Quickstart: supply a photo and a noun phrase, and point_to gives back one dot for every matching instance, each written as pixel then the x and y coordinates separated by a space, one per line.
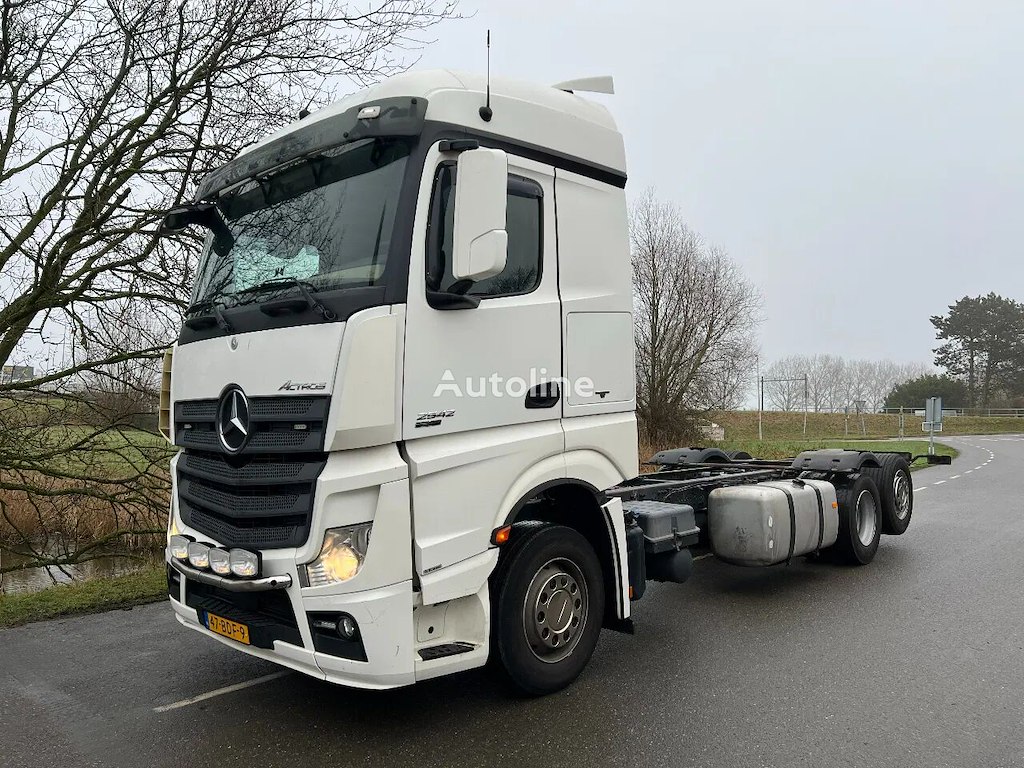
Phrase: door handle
pixel 543 395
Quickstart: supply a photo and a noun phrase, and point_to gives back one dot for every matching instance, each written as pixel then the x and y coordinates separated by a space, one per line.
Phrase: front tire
pixel 859 521
pixel 547 611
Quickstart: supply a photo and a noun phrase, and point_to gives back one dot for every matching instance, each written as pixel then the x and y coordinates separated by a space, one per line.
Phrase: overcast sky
pixel 863 161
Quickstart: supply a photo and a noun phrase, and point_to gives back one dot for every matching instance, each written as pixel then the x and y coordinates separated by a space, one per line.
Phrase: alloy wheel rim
pixel 901 494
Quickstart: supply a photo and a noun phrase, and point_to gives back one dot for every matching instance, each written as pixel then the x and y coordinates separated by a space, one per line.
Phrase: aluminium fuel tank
pixel 772 522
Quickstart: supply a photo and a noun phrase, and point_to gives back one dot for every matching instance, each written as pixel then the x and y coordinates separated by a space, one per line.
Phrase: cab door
pixel 481 400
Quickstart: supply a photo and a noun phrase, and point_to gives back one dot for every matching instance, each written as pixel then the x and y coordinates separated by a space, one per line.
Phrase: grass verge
pixel 781 449
pixel 144 586
pixel 742 425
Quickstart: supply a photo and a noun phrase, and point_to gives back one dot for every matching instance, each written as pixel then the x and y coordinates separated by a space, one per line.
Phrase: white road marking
pixel 938 482
pixel 221 691
pixel 922 488
pixel 954 477
pixel 968 471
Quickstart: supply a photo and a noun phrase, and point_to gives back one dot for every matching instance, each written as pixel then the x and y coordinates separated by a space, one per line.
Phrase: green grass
pixel 112 453
pixel 143 586
pixel 742 425
pixel 781 449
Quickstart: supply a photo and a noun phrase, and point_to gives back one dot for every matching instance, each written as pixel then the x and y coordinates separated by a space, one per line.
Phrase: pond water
pixel 33 579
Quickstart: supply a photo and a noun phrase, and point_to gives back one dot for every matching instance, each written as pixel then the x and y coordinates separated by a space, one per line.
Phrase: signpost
pixel 932 420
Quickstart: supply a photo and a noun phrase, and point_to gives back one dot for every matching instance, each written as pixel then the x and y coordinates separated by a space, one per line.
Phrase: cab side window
pixel 523 222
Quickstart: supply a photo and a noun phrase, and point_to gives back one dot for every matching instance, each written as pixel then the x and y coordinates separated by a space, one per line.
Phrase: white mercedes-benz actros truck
pixel 403 395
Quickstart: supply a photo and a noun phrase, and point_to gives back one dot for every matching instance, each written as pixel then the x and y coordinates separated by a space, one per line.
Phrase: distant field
pixel 102 454
pixel 742 425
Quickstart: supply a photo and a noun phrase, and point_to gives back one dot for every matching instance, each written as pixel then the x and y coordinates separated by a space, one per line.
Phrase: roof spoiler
pixel 600 84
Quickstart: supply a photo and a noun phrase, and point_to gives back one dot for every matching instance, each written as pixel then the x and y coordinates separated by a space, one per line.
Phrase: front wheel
pixel 859 521
pixel 547 613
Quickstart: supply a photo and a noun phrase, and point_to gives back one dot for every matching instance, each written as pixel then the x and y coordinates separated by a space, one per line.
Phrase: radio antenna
pixel 486 113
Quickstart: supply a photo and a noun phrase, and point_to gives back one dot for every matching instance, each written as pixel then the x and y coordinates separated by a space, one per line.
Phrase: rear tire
pixel 860 521
pixel 896 490
pixel 547 608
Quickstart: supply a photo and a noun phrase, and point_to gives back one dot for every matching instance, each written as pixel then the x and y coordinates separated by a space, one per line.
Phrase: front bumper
pixel 355 487
pixel 384 616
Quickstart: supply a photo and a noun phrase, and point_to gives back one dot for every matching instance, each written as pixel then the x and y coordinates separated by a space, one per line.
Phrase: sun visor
pixel 399 116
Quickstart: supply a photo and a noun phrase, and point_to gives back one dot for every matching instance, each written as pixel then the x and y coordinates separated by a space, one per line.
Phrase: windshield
pixel 326 219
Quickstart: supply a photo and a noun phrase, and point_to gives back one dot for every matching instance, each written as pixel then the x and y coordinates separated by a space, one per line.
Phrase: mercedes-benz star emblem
pixel 233 420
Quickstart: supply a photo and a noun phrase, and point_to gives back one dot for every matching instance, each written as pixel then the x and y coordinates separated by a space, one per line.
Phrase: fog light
pixel 220 562
pixel 347 627
pixel 244 564
pixel 198 554
pixel 179 547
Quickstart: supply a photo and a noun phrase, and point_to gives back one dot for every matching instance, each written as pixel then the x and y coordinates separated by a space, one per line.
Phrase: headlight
pixel 178 545
pixel 172 527
pixel 341 556
pixel 220 562
pixel 244 564
pixel 199 554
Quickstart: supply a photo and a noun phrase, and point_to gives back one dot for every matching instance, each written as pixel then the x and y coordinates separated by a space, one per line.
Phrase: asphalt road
pixel 915 660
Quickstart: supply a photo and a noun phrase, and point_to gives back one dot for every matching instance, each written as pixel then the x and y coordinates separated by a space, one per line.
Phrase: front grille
pixel 276 425
pixel 203 410
pixel 255 534
pixel 262 496
pixel 244 502
pixel 256 471
pixel 286 407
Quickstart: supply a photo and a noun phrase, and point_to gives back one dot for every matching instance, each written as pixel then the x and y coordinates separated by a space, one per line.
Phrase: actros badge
pixel 304 386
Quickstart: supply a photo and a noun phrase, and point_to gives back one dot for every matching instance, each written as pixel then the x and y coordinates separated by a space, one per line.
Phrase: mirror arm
pixel 460 287
pixel 445 300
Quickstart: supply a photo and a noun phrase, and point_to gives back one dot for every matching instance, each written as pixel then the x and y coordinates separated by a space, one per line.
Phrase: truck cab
pixel 403 386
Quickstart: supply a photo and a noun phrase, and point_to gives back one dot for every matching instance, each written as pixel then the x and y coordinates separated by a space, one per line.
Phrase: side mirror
pixel 177 219
pixel 204 214
pixel 479 241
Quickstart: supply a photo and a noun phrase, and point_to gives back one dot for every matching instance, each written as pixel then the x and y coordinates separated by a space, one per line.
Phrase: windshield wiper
pixel 277 306
pixel 217 317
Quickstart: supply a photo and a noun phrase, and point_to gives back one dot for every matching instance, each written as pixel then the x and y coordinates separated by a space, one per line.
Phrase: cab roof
pixel 527 113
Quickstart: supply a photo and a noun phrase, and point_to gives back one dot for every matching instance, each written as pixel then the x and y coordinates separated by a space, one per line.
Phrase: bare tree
pixel 784 383
pixel 834 383
pixel 827 374
pixel 695 320
pixel 109 115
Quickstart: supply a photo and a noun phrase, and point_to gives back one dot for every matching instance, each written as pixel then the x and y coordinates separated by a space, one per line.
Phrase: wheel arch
pixel 579 505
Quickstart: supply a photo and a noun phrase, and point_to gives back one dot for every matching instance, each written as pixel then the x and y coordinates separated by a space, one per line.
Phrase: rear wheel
pixel 547 611
pixel 859 521
pixel 896 491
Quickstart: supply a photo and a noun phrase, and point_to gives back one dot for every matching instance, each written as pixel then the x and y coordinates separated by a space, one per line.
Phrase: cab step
pixel 445 649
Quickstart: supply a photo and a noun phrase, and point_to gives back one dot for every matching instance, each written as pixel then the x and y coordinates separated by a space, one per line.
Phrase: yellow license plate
pixel 227 628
